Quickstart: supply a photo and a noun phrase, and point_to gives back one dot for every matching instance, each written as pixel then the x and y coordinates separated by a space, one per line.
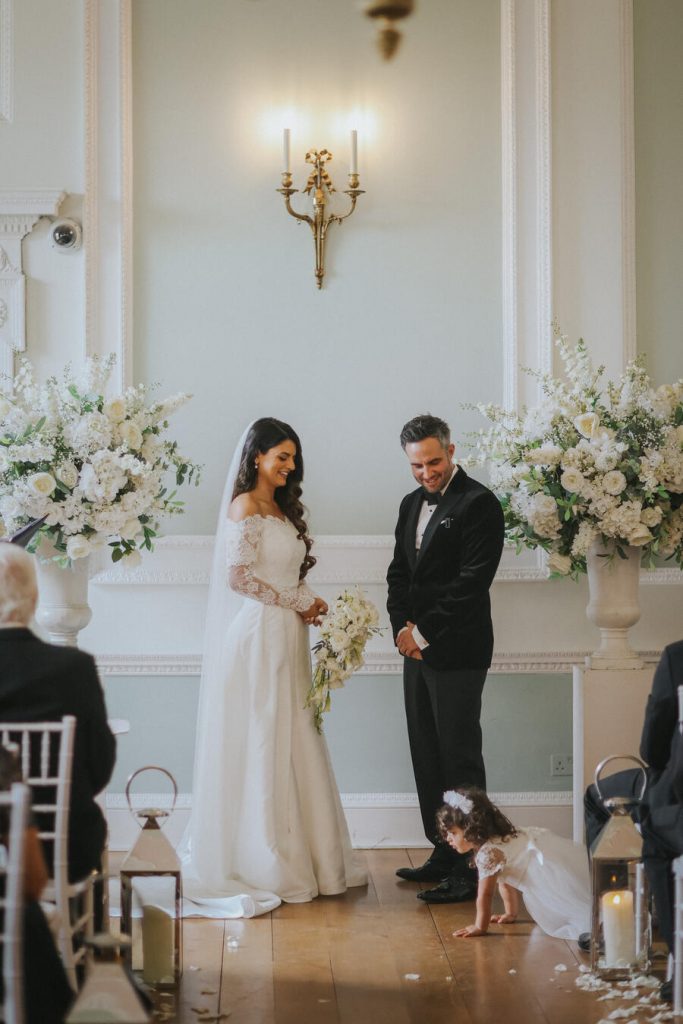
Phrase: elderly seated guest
pixel 43 682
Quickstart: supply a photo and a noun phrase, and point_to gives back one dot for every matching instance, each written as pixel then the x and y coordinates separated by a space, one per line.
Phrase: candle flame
pixel 616 899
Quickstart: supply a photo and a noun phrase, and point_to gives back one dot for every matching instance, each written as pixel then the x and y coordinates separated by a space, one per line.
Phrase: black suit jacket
pixel 42 682
pixel 661 746
pixel 444 588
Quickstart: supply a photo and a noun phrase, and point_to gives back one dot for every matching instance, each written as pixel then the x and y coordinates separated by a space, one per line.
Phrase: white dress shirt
pixel 426 513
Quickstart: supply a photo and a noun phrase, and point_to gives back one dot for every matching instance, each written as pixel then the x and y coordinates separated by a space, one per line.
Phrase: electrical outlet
pixel 561 764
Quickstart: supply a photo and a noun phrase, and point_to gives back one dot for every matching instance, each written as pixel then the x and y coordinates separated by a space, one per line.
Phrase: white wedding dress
pixel 267 823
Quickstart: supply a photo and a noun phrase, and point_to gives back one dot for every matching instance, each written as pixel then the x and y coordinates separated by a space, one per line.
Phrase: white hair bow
pixel 458 801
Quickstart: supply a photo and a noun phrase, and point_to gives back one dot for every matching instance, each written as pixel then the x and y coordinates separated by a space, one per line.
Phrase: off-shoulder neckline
pixel 257 515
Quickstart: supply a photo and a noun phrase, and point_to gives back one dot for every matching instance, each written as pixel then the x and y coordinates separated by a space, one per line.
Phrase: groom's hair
pixel 424 426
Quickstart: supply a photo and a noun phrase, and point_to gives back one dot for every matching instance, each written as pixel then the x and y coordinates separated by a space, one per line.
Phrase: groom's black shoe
pixel 455 889
pixel 430 871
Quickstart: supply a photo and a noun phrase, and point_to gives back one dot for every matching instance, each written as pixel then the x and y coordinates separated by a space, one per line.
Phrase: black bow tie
pixel 431 499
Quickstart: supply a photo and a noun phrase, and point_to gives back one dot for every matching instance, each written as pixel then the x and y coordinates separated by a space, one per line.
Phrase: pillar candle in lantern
pixel 157 946
pixel 618 925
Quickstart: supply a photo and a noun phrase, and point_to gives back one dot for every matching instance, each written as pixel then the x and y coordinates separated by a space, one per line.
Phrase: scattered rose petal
pixel 193 968
pixel 449 977
pixel 412 977
pixel 233 942
pixel 324 1000
pixel 512 971
pixel 583 969
pixel 560 967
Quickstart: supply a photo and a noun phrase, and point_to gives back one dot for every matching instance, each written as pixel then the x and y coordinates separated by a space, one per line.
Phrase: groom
pixel 449 539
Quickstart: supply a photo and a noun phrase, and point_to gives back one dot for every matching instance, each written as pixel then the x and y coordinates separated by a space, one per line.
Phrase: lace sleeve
pixel 489 860
pixel 242 553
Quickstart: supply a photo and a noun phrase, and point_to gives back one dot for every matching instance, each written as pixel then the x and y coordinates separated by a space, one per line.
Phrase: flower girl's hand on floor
pixel 470 932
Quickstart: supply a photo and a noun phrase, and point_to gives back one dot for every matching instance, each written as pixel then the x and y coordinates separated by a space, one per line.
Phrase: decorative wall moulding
pixel 20 209
pixel 343 560
pixel 387 663
pixel 6 60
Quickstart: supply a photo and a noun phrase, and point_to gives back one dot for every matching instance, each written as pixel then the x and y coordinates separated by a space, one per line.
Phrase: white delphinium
pixel 92 467
pixel 591 461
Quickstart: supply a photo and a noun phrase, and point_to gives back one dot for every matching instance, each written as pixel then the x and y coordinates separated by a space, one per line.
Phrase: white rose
pixel 601 435
pixel 77 547
pixel 639 535
pixel 614 482
pixel 68 474
pixel 130 529
pixel 587 423
pixel 42 484
pixel 115 410
pixel 544 504
pixel 651 516
pixel 97 541
pixel 131 434
pixel 549 455
pixel 132 560
pixel 561 564
pixel 572 480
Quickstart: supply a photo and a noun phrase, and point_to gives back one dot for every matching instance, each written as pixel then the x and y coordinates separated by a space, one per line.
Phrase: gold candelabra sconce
pixel 319 185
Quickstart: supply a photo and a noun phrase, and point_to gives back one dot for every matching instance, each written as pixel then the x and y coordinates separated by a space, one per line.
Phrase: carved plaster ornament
pixel 387 13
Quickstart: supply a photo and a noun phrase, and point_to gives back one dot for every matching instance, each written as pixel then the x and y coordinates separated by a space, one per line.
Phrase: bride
pixel 267 823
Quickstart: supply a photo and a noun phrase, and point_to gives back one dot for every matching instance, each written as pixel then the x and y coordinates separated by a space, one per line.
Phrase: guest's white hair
pixel 18 586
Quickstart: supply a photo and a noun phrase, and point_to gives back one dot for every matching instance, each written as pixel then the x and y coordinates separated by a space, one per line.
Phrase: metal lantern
pixel 620 930
pixel 152 868
pixel 109 992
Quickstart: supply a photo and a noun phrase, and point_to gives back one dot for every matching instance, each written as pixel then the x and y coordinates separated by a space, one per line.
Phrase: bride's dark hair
pixel 263 435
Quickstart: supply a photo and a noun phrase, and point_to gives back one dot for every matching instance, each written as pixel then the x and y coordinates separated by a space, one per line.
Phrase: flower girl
pixel 550 872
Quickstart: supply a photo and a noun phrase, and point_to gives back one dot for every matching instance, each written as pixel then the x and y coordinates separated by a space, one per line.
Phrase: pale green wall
pixel 658 46
pixel 525 720
pixel 225 300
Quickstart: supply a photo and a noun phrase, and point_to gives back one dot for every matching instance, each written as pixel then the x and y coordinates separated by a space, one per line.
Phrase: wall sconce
pixel 320 185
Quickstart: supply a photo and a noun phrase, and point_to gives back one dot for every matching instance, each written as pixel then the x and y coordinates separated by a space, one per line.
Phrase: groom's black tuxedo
pixel 444 588
pixel 42 682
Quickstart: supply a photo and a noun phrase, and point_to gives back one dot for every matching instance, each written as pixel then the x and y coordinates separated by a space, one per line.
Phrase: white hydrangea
pixel 610 453
pixel 90 466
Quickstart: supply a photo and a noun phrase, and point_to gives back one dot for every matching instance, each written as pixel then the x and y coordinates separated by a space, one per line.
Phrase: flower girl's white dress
pixel 267 823
pixel 552 874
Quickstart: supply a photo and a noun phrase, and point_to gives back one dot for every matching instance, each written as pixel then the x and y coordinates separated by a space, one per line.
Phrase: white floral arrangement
pixel 593 461
pixel 93 468
pixel 344 632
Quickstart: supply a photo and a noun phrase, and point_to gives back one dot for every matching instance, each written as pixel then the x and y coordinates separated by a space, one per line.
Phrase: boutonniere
pixel 446 522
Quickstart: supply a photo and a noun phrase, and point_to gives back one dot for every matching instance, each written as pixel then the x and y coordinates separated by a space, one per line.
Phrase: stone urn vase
pixel 63 608
pixel 613 607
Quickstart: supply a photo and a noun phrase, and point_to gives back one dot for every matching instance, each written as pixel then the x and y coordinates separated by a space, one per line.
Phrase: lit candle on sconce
pixel 286 135
pixel 353 169
pixel 618 925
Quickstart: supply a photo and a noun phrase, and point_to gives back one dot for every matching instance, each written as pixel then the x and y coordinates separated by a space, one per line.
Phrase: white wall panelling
pixel 108 208
pixel 532 624
pixel 20 209
pixel 527 213
pixel 6 60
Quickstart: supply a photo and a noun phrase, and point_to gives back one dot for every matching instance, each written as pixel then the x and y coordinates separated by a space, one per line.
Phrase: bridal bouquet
pixel 595 460
pixel 344 632
pixel 92 468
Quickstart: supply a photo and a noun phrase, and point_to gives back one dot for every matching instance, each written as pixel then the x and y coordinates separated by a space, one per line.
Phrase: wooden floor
pixel 376 955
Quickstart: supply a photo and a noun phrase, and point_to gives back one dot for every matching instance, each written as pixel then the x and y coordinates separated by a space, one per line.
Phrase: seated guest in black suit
pixel 660 814
pixel 47 993
pixel 43 682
